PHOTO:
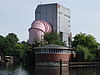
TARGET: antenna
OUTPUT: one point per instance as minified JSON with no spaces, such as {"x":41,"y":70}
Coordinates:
{"x":40,"y":3}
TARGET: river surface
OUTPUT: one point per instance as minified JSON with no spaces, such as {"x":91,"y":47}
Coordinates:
{"x":20,"y":70}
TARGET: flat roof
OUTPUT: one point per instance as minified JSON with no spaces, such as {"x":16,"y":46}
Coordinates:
{"x":53,"y":4}
{"x":52,"y":46}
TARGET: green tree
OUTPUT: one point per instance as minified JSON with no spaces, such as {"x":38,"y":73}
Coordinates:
{"x":11,"y":40}
{"x":87,"y":41}
{"x":83,"y":54}
{"x":53,"y":38}
{"x":24,"y":48}
{"x":97,"y":54}
{"x":28,"y":55}
{"x":19,"y":50}
{"x":2,"y":46}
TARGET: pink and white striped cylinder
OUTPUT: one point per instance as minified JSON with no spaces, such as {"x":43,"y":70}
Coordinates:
{"x":38,"y":29}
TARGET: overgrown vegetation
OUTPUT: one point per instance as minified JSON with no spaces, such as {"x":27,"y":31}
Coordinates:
{"x":53,"y":38}
{"x":86,"y":47}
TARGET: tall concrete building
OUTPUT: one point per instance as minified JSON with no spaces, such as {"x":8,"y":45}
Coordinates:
{"x":57,"y":16}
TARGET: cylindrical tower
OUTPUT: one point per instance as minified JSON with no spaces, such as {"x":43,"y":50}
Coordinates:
{"x":38,"y":29}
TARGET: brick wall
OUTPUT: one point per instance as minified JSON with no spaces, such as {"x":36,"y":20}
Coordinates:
{"x":52,"y":57}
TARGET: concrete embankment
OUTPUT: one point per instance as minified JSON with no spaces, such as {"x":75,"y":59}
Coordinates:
{"x":83,"y":64}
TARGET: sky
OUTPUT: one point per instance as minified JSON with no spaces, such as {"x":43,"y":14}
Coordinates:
{"x":16,"y":16}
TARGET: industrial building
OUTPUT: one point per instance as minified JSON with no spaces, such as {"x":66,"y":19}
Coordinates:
{"x":51,"y":18}
{"x":54,"y":17}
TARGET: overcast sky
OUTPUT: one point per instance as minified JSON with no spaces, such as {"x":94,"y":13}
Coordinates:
{"x":17,"y":15}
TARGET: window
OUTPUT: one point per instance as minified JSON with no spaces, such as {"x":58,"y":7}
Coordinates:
{"x":60,"y":12}
{"x":54,"y":51}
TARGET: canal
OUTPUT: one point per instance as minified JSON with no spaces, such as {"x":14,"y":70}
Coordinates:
{"x":21,"y":70}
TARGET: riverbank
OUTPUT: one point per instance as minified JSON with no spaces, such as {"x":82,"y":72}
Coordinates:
{"x":83,"y":64}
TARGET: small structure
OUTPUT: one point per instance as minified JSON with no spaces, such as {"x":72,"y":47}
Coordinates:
{"x":8,"y":58}
{"x":50,"y":55}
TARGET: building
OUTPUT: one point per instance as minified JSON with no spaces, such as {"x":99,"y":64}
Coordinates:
{"x":50,"y":55}
{"x":51,"y":18}
{"x":56,"y":16}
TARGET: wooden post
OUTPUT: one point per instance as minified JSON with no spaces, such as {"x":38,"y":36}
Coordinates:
{"x":60,"y":66}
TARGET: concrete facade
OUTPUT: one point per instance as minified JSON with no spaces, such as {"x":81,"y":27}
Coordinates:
{"x":58,"y":16}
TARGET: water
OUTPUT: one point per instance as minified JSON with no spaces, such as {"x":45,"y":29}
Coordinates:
{"x":20,"y":70}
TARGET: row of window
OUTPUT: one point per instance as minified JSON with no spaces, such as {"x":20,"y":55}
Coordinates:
{"x":53,"y":51}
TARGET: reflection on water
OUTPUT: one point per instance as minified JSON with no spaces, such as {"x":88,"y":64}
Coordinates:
{"x":85,"y":71}
{"x":51,"y":71}
{"x":12,"y":70}
{"x":20,"y":70}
